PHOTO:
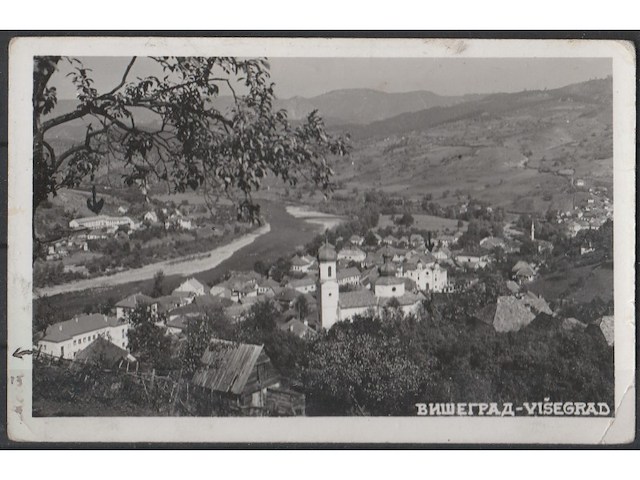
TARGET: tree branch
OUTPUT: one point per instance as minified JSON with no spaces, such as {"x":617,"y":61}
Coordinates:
{"x":123,"y":81}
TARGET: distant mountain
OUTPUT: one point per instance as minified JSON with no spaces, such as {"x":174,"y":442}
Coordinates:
{"x":594,"y":91}
{"x":507,"y":148}
{"x":339,"y":107}
{"x":362,"y":106}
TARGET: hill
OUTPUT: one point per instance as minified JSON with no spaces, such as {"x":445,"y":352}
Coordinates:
{"x":509,"y":149}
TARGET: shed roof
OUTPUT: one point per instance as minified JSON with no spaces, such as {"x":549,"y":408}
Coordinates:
{"x":226,"y":366}
{"x":101,"y":352}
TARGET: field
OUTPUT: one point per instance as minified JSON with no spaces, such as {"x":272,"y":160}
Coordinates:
{"x":425,"y":222}
{"x":581,"y":284}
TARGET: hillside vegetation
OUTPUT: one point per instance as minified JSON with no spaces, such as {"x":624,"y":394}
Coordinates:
{"x":513,"y":150}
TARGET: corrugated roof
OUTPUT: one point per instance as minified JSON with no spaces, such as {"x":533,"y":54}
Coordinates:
{"x":359,"y":298}
{"x":78,"y":325}
{"x":227,"y":366}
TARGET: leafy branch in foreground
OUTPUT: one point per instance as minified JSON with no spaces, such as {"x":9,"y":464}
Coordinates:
{"x":173,"y":127}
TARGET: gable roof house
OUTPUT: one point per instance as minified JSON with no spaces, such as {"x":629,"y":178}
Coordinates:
{"x":103,"y":354}
{"x":130,"y":303}
{"x":191,"y":286}
{"x":236,"y":376}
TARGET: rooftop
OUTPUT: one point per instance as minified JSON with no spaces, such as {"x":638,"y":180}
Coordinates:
{"x":357,"y":299}
{"x":78,"y":325}
{"x":227,"y":366}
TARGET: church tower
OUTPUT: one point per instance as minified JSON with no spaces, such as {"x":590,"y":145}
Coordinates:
{"x":328,"y":285}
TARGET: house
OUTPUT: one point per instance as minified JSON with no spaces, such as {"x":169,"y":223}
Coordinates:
{"x":151,"y":217}
{"x":268,"y":287}
{"x":390,"y":240}
{"x":586,"y":248}
{"x":170,"y":302}
{"x":297,"y":328}
{"x":122,"y":210}
{"x":348,"y":276}
{"x":447,"y":240}
{"x":66,"y":339}
{"x":101,"y":221}
{"x":490,"y":243}
{"x":301,"y":264}
{"x":352,"y":255}
{"x":441,"y":254}
{"x":579,"y":182}
{"x":523,"y":272}
{"x":236,"y":375}
{"x":416,"y":240}
{"x":303,"y":285}
{"x":356,"y":240}
{"x":191,"y":286}
{"x":178,"y":324}
{"x":125,"y":306}
{"x":103,"y":354}
{"x":471,"y":259}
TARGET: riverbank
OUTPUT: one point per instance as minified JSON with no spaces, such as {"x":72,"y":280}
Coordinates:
{"x":324,"y":220}
{"x":176,"y":266}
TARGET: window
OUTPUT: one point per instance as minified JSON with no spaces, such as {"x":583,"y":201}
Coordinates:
{"x":74,"y":342}
{"x":329,"y":271}
{"x":393,"y":289}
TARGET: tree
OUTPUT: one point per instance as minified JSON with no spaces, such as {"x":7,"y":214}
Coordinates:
{"x":158,"y":284}
{"x":166,"y":126}
{"x":147,"y":341}
{"x":301,"y":305}
{"x":406,"y":220}
{"x":199,"y":332}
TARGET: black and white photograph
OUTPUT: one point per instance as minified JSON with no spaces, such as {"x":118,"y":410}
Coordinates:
{"x":320,"y":233}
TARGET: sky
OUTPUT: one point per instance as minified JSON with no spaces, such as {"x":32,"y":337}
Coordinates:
{"x":309,"y":77}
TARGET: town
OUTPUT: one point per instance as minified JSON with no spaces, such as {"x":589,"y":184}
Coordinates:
{"x":377,"y":271}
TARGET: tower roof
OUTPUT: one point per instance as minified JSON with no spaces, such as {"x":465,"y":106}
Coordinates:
{"x":326,"y":253}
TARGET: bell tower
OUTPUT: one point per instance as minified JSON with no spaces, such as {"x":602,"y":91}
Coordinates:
{"x":328,"y":285}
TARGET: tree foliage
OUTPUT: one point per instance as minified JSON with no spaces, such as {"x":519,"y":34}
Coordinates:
{"x":168,"y":126}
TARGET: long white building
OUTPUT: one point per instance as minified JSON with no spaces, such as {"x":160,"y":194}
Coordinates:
{"x":101,"y":221}
{"x":66,"y":339}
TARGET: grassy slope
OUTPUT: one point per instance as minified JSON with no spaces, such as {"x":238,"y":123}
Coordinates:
{"x":493,"y":149}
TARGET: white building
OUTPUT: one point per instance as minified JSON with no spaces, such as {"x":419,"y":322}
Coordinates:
{"x":66,"y":339}
{"x":303,"y":285}
{"x":301,"y":264}
{"x":429,"y":277}
{"x":130,"y":303}
{"x":352,"y":255}
{"x":191,"y":286}
{"x":348,"y":276}
{"x":101,"y":221}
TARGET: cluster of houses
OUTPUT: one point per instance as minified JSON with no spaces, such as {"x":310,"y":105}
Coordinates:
{"x":590,"y":212}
